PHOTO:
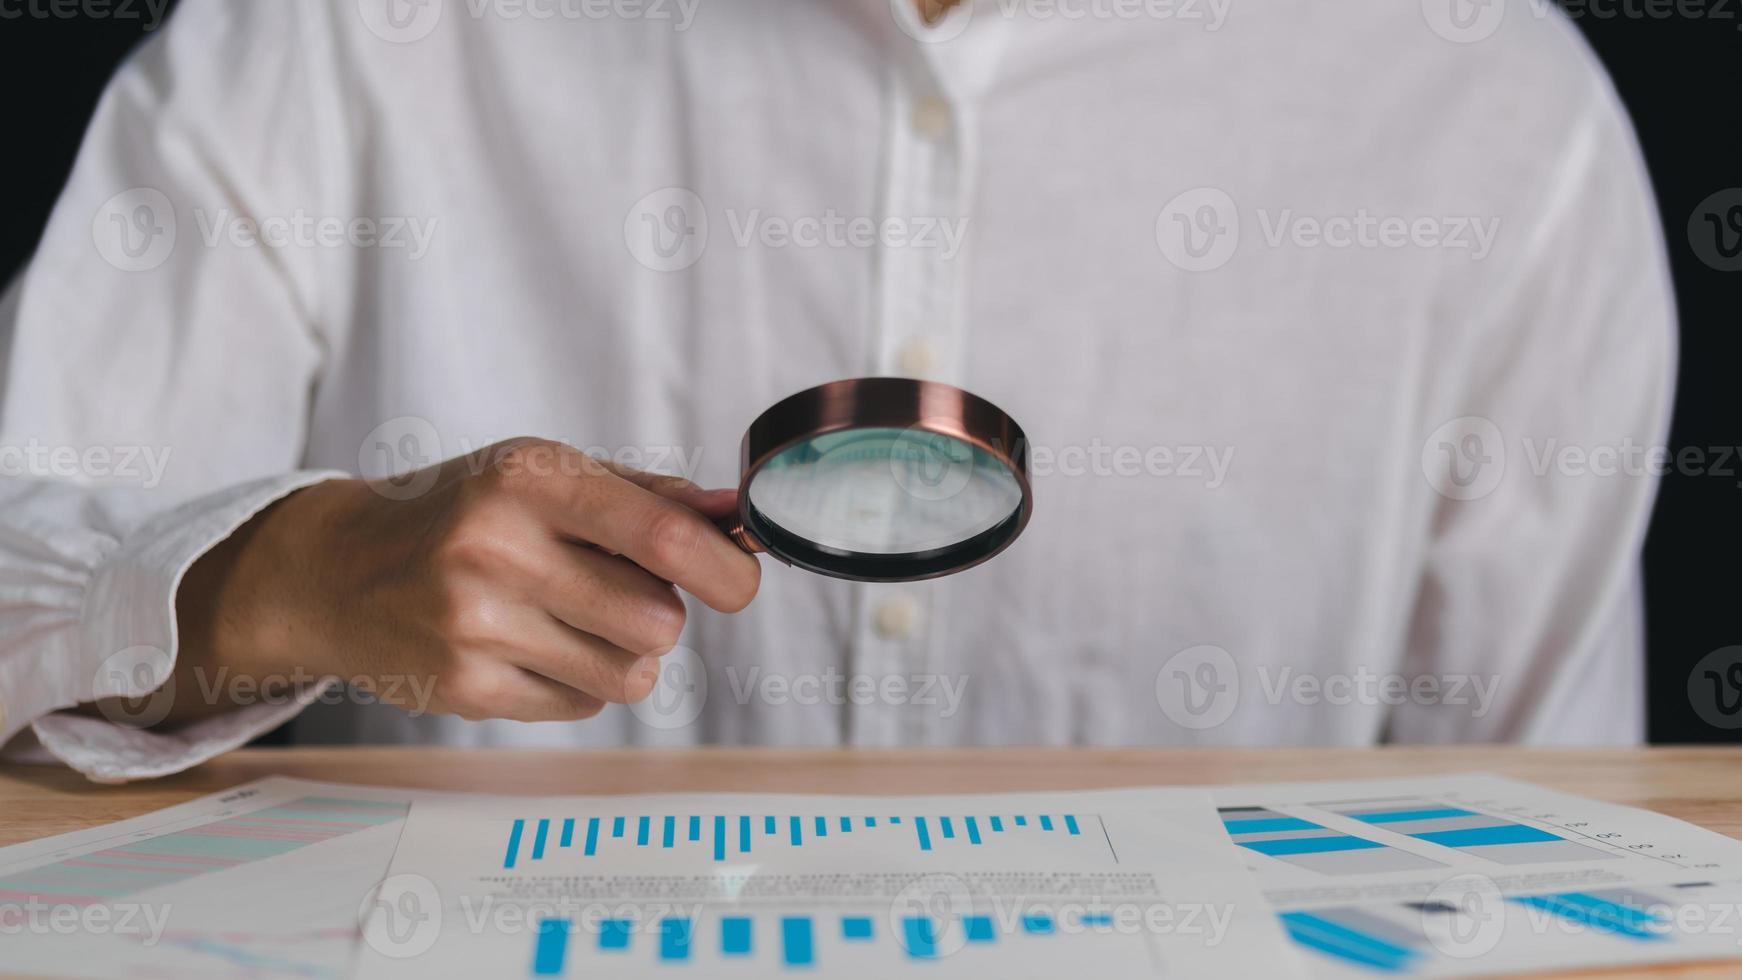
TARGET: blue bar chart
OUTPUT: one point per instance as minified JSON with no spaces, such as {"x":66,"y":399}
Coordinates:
{"x":1478,"y":834}
{"x":1313,"y":846}
{"x":1394,"y":939}
{"x":789,"y":941}
{"x":537,"y":841}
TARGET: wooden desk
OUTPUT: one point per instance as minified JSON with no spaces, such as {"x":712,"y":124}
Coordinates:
{"x":1700,"y":785}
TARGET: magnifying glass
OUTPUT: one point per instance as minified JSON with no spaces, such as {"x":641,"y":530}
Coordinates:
{"x":882,"y":480}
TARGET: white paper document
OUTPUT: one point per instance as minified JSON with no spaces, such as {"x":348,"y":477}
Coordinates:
{"x":1472,"y":875}
{"x":265,"y":880}
{"x":1141,"y":883}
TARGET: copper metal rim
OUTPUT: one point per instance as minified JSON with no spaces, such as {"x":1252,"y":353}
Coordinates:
{"x":895,"y":403}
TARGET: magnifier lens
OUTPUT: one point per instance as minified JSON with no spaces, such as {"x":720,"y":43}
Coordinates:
{"x":885,"y":491}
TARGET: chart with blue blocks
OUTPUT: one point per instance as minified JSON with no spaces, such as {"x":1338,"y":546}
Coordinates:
{"x":741,"y":836}
{"x":790,"y":941}
{"x":1475,"y":833}
{"x":1395,"y":938}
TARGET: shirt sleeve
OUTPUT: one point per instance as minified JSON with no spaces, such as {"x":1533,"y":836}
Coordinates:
{"x":1543,"y":466}
{"x":156,"y":369}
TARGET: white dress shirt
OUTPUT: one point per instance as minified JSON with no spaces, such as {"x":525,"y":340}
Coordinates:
{"x":1323,"y":320}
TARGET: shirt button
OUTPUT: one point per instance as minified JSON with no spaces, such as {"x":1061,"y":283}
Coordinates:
{"x":932,"y":117}
{"x":918,"y":358}
{"x":896,"y":617}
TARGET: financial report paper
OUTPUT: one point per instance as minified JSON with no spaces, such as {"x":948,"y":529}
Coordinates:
{"x":1125,"y":883}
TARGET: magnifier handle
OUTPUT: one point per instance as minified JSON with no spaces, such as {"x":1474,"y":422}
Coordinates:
{"x":733,"y":526}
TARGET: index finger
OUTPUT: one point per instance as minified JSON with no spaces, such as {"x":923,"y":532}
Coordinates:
{"x":668,"y":539}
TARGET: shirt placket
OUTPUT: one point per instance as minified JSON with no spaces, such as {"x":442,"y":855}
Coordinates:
{"x":921,"y":332}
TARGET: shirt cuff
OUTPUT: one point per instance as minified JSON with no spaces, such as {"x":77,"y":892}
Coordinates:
{"x":125,"y":647}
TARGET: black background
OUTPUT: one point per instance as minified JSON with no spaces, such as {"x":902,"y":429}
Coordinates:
{"x":1680,"y":74}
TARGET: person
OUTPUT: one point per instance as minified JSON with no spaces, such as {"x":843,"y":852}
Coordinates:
{"x":370,"y":366}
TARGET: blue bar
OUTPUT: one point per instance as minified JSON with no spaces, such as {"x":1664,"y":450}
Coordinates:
{"x":1512,"y":833}
{"x":616,"y":826}
{"x":924,"y":834}
{"x":978,"y":928}
{"x":719,"y":838}
{"x":552,"y":948}
{"x":1045,"y":822}
{"x":1308,"y":845}
{"x":822,"y":827}
{"x":795,"y":940}
{"x":642,"y":827}
{"x":856,"y":927}
{"x":592,"y":835}
{"x":894,"y":819}
{"x":1438,"y":813}
{"x":695,"y":827}
{"x":1322,"y":934}
{"x":744,"y":834}
{"x":614,"y":933}
{"x":846,"y":824}
{"x":1600,"y":915}
{"x":997,"y":825}
{"x":735,"y":936}
{"x":1265,"y":825}
{"x":797,"y":839}
{"x":670,"y":834}
{"x":568,"y":832}
{"x":513,"y":843}
{"x":949,"y":828}
{"x":1037,"y":925}
{"x":1021,"y":821}
{"x":870,"y":821}
{"x":1097,"y":919}
{"x":1071,"y":823}
{"x":538,"y":839}
{"x":674,"y":939}
{"x":973,"y":830}
{"x":916,"y":935}
{"x":768,"y":825}
{"x":1327,"y":937}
